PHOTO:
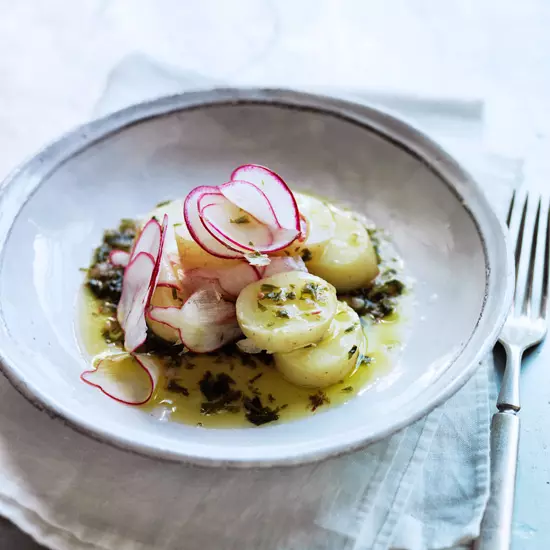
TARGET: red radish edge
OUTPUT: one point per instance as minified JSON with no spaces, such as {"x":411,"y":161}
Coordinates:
{"x":239,"y":174}
{"x":190,"y":207}
{"x":232,"y":183}
{"x":100,"y":388}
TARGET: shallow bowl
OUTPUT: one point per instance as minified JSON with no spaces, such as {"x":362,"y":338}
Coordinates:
{"x":55,"y":207}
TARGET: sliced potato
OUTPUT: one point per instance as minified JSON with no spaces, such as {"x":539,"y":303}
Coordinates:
{"x":320,"y":223}
{"x":286,"y":311}
{"x":331,"y":359}
{"x":165,"y":296}
{"x":348,"y":260}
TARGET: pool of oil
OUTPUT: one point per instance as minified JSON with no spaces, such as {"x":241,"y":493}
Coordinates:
{"x":250,"y":375}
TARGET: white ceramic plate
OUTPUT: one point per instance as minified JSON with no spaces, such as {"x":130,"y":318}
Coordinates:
{"x":55,"y":207}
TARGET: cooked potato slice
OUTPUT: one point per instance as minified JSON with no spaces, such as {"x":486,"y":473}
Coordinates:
{"x":286,"y":311}
{"x":348,"y":260}
{"x":331,"y":359}
{"x":320,"y":226}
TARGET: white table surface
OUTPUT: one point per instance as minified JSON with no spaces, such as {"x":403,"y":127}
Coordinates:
{"x":56,"y":56}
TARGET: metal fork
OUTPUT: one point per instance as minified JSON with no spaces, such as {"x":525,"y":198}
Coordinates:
{"x":528,"y":227}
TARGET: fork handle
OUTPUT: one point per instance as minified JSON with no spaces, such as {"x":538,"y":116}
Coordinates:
{"x":496,"y":527}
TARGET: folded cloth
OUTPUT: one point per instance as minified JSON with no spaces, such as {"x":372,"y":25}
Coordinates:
{"x":424,"y":487}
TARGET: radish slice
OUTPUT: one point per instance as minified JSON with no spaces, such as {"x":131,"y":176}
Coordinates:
{"x":126,"y":378}
{"x":230,"y":280}
{"x":198,"y":231}
{"x":231,"y":225}
{"x":119,"y":258}
{"x":276,"y":191}
{"x":136,"y":287}
{"x":250,"y":198}
{"x":148,"y":239}
{"x":280,"y":264}
{"x":205,"y":322}
{"x":138,"y":284}
{"x":239,"y":230}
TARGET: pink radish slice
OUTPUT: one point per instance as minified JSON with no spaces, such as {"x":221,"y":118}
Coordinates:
{"x":126,"y":378}
{"x":275,"y":189}
{"x":119,"y":258}
{"x":148,"y":239}
{"x":138,"y":285}
{"x":205,"y":322}
{"x":196,"y":228}
{"x":281,"y":264}
{"x":251,"y":199}
{"x":220,"y":216}
{"x":219,"y":219}
{"x":231,"y":280}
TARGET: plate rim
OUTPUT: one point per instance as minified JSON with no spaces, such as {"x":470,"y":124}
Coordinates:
{"x":19,"y":186}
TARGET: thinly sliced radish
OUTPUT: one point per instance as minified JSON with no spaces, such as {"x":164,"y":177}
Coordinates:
{"x":280,"y":264}
{"x":222,"y":220}
{"x":205,"y":322}
{"x":250,"y":198}
{"x":138,"y":284}
{"x":148,"y":239}
{"x":198,"y":231}
{"x":237,"y":229}
{"x":133,"y":300}
{"x":119,"y":258}
{"x":276,"y":191}
{"x":231,"y":280}
{"x":126,"y":378}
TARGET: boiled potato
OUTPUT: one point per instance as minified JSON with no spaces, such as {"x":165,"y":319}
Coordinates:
{"x":331,"y":359}
{"x":320,"y":226}
{"x":165,"y":296}
{"x":348,"y":260}
{"x":286,"y":311}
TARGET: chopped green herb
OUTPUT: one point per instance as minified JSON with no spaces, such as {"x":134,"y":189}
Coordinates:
{"x":163,"y":203}
{"x":220,"y":396}
{"x":257,"y":413}
{"x":173,"y":386}
{"x":306,"y":255}
{"x":352,"y":352}
{"x":311,"y":290}
{"x":351,"y":328}
{"x":347,"y":389}
{"x":261,"y":307}
{"x":174,"y":294}
{"x":291,"y":295}
{"x":266,"y":287}
{"x":363,"y":360}
{"x":270,"y":398}
{"x":241,"y":219}
{"x":254,"y":378}
{"x":282,"y":313}
{"x":317,"y":400}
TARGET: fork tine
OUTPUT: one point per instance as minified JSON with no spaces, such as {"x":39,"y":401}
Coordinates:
{"x":546,"y":271}
{"x":516,"y":228}
{"x":537,"y":261}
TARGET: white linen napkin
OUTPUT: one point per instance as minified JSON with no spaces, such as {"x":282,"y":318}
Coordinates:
{"x":425,"y":487}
